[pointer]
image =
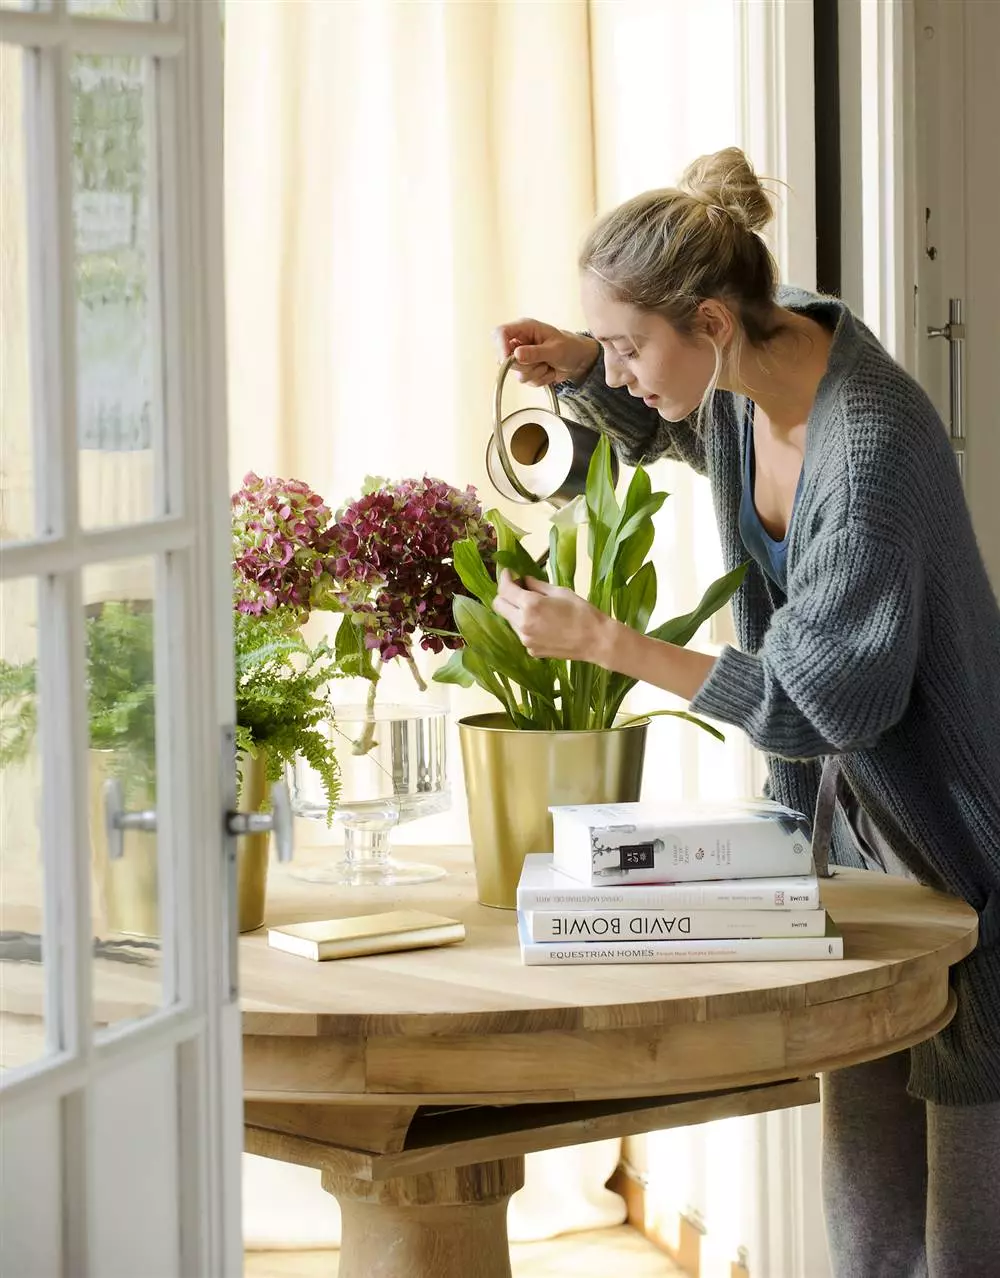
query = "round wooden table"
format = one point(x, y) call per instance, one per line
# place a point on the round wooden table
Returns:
point(417, 1081)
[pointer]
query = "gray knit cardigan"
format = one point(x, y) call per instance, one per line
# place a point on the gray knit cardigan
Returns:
point(886, 651)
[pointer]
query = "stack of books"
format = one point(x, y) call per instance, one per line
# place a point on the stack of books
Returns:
point(644, 883)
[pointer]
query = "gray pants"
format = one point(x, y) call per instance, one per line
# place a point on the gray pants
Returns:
point(911, 1189)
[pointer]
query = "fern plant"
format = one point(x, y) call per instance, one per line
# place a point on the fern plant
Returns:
point(18, 715)
point(281, 705)
point(121, 692)
point(121, 697)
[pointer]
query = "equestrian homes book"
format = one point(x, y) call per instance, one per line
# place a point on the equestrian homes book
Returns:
point(732, 950)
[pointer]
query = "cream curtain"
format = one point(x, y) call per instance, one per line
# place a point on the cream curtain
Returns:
point(401, 177)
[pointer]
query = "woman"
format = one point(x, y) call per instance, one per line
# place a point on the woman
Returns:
point(869, 635)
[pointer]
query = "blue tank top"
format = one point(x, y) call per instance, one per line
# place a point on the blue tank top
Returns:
point(770, 554)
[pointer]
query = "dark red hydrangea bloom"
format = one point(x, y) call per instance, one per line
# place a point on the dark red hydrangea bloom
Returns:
point(392, 561)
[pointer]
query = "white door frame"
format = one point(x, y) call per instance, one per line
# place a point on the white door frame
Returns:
point(878, 125)
point(196, 1031)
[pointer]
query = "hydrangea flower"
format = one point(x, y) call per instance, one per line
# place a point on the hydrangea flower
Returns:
point(280, 542)
point(392, 561)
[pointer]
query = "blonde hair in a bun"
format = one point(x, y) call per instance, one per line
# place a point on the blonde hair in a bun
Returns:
point(670, 250)
point(727, 183)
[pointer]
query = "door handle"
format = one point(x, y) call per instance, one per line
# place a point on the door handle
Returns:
point(954, 334)
point(277, 822)
point(117, 820)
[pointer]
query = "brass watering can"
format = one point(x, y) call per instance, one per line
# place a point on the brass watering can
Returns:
point(535, 455)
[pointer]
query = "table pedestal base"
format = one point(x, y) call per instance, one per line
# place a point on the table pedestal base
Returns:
point(450, 1223)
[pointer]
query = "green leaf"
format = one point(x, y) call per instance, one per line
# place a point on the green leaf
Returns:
point(639, 491)
point(510, 552)
point(635, 541)
point(454, 671)
point(488, 681)
point(636, 496)
point(620, 535)
point(472, 571)
point(679, 630)
point(493, 641)
point(354, 659)
point(635, 601)
point(674, 714)
point(508, 534)
point(633, 553)
point(520, 563)
point(602, 506)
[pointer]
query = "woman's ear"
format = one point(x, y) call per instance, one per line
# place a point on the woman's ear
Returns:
point(715, 321)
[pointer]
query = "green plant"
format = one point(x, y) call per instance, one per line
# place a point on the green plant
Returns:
point(541, 693)
point(281, 707)
point(121, 697)
point(121, 692)
point(17, 711)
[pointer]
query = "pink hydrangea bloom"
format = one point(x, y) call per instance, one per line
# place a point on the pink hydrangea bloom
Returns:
point(280, 542)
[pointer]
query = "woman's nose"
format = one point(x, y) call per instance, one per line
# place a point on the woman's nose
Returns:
point(614, 373)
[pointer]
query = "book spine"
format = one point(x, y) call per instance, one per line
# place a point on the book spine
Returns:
point(777, 949)
point(747, 894)
point(647, 925)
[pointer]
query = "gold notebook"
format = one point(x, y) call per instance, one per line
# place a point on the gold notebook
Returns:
point(366, 934)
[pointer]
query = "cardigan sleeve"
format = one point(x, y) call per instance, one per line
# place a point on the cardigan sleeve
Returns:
point(837, 663)
point(638, 433)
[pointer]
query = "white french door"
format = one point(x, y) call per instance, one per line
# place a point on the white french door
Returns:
point(957, 186)
point(120, 1109)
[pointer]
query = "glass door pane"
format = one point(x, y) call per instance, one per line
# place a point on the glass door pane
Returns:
point(119, 383)
point(136, 10)
point(17, 498)
point(23, 1011)
point(120, 623)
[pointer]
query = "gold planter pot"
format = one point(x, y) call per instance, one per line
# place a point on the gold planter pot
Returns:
point(512, 777)
point(126, 890)
point(252, 849)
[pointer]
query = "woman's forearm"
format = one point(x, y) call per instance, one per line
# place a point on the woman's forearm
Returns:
point(664, 665)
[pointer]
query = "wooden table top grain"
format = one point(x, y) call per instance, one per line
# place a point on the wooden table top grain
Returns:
point(508, 1030)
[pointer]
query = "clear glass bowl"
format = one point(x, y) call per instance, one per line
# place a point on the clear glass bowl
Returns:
point(393, 765)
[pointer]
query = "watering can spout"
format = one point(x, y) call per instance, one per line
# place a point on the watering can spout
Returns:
point(537, 455)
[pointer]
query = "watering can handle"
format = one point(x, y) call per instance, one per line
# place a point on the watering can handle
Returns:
point(498, 439)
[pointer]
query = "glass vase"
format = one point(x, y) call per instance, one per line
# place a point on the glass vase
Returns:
point(393, 767)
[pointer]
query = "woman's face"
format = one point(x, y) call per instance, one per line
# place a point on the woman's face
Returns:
point(644, 352)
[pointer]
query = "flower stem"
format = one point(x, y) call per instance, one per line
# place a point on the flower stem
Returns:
point(367, 739)
point(416, 674)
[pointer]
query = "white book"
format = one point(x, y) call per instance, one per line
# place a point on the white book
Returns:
point(734, 950)
point(667, 925)
point(621, 843)
point(543, 887)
